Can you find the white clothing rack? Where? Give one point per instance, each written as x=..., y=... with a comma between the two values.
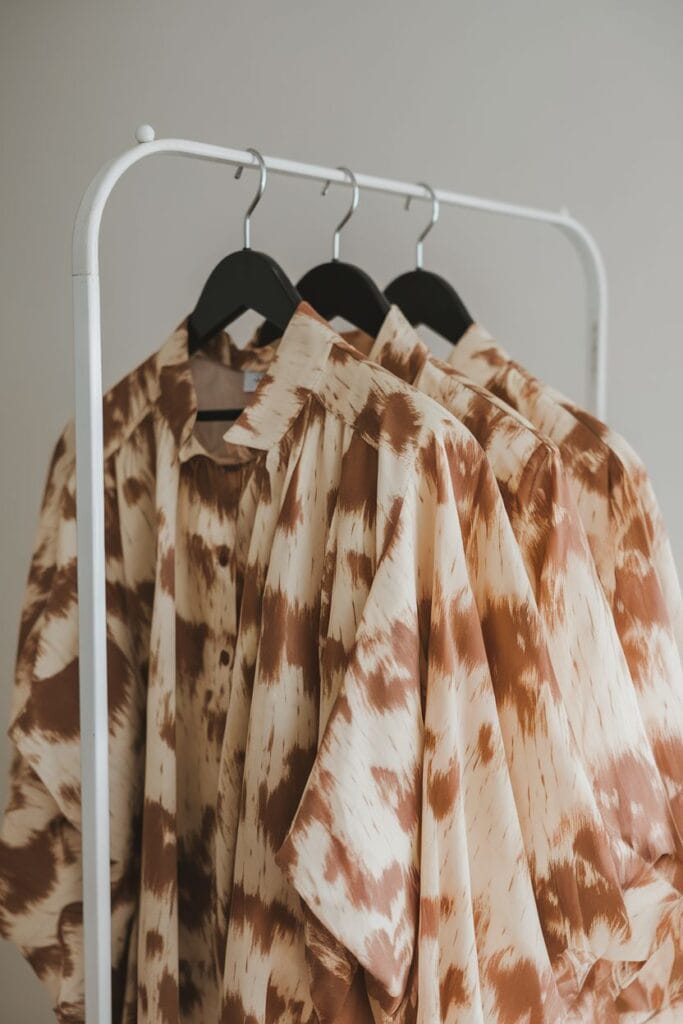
x=90, y=481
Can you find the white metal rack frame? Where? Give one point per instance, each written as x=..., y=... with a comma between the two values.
x=90, y=480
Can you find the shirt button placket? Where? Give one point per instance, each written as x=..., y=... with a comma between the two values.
x=224, y=560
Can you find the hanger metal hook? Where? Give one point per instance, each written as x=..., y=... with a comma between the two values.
x=349, y=213
x=419, y=248
x=263, y=177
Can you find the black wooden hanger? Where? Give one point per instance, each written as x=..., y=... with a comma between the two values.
x=340, y=289
x=426, y=298
x=244, y=280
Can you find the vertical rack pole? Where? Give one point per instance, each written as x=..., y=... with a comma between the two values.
x=92, y=650
x=597, y=310
x=599, y=307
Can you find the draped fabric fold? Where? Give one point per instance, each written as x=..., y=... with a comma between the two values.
x=158, y=955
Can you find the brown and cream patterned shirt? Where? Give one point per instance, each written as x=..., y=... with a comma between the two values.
x=593, y=677
x=578, y=623
x=626, y=538
x=315, y=597
x=659, y=545
x=309, y=567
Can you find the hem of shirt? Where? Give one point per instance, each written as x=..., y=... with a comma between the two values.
x=286, y=858
x=616, y=979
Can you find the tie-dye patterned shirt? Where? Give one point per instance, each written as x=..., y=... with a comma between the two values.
x=594, y=680
x=658, y=543
x=626, y=537
x=312, y=813
x=309, y=567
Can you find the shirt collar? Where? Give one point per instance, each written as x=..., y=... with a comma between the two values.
x=477, y=345
x=173, y=388
x=295, y=365
x=311, y=358
x=398, y=347
x=290, y=371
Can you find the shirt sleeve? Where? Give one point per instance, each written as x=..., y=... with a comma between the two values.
x=589, y=664
x=663, y=558
x=40, y=887
x=352, y=850
x=40, y=877
x=44, y=711
x=647, y=637
x=40, y=840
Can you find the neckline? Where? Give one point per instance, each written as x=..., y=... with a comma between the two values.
x=290, y=369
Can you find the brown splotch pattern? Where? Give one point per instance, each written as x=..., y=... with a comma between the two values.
x=569, y=609
x=317, y=761
x=259, y=588
x=408, y=874
x=648, y=574
x=586, y=518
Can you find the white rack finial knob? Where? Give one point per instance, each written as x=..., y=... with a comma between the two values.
x=144, y=133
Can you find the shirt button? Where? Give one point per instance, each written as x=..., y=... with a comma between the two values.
x=223, y=555
x=225, y=657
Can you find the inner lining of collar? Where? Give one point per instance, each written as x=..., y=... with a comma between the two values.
x=218, y=386
x=223, y=391
x=359, y=340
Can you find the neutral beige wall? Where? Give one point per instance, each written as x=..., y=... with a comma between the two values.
x=548, y=103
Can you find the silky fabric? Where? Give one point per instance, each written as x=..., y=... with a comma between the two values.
x=306, y=574
x=590, y=666
x=659, y=544
x=627, y=541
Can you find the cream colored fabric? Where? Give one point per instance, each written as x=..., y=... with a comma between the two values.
x=308, y=584
x=597, y=690
x=344, y=786
x=626, y=538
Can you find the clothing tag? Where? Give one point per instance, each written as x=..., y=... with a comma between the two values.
x=251, y=380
